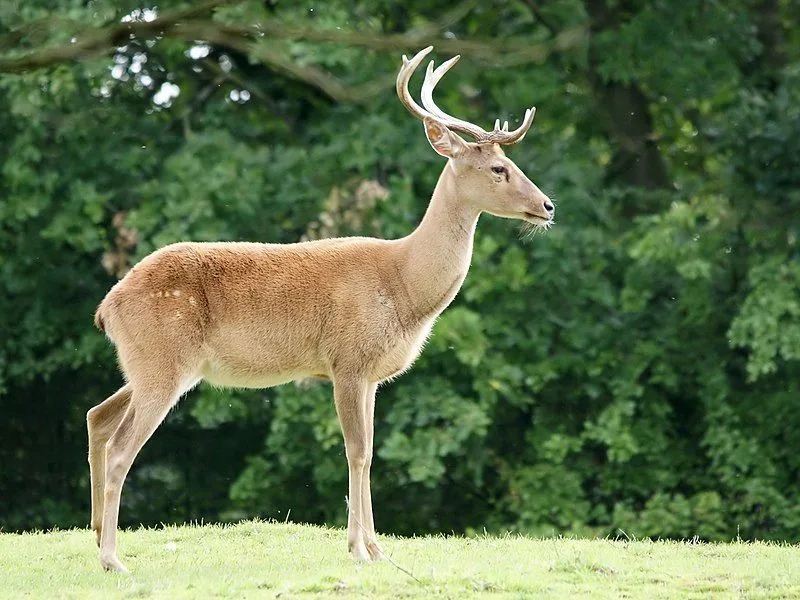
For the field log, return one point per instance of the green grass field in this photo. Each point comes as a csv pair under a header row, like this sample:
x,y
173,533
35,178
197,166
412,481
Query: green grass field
x,y
269,560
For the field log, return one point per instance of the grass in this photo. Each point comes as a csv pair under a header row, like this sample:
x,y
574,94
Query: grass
x,y
269,560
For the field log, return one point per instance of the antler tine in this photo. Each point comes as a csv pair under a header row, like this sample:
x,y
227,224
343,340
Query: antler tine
x,y
512,137
432,77
408,68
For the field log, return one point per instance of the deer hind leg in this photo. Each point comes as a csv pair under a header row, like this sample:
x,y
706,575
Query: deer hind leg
x,y
101,422
349,394
370,537
150,403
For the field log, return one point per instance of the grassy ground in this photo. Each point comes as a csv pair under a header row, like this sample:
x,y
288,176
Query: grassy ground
x,y
269,560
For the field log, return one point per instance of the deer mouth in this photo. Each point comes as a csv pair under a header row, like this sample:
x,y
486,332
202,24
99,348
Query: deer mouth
x,y
536,219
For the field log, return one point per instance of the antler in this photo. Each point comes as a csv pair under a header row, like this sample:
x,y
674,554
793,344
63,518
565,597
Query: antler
x,y
498,135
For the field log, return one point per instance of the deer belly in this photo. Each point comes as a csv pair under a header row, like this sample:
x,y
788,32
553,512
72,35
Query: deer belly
x,y
244,379
403,353
258,372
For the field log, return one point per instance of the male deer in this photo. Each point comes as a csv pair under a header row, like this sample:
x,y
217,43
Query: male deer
x,y
355,310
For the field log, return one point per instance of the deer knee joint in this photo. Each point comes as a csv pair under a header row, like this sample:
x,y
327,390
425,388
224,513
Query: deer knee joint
x,y
359,459
116,466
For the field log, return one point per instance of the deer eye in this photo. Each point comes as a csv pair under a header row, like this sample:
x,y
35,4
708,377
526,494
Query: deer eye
x,y
499,170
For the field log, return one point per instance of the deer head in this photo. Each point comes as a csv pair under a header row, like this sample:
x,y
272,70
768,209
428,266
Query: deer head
x,y
484,176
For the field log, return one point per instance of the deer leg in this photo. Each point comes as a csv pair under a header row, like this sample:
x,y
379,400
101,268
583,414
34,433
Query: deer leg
x,y
370,538
350,397
145,413
101,422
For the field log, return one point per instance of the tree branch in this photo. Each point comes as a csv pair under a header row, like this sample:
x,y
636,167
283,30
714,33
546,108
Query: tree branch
x,y
518,49
236,39
494,51
103,40
250,40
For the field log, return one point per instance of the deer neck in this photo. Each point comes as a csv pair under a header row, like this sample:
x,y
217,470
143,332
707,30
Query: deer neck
x,y
438,252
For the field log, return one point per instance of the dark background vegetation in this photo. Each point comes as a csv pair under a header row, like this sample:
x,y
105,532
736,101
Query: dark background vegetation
x,y
634,369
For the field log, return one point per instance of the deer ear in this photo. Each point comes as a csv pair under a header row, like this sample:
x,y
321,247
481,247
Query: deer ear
x,y
444,141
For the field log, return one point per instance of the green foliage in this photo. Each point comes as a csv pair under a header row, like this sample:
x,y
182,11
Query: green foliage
x,y
635,368
769,320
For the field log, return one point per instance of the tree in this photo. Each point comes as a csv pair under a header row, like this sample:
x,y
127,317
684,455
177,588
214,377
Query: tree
x,y
636,368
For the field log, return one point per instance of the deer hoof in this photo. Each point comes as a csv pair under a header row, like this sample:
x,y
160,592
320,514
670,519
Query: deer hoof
x,y
112,563
359,552
375,553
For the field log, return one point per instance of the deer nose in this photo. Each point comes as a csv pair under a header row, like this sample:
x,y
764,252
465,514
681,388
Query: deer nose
x,y
548,206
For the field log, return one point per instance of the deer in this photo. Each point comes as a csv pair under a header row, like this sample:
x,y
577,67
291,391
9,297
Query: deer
x,y
354,310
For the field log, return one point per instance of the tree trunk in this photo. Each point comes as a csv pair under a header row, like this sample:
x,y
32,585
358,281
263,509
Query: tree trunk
x,y
624,114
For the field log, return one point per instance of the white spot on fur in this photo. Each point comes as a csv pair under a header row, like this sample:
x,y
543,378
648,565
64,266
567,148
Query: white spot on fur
x,y
176,293
192,301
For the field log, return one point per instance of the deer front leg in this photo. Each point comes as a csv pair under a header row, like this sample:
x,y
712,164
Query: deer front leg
x,y
350,396
370,537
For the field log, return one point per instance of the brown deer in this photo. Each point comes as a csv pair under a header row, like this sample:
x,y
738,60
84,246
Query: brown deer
x,y
355,310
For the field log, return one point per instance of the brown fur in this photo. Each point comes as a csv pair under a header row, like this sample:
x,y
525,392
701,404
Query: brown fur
x,y
98,320
355,310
